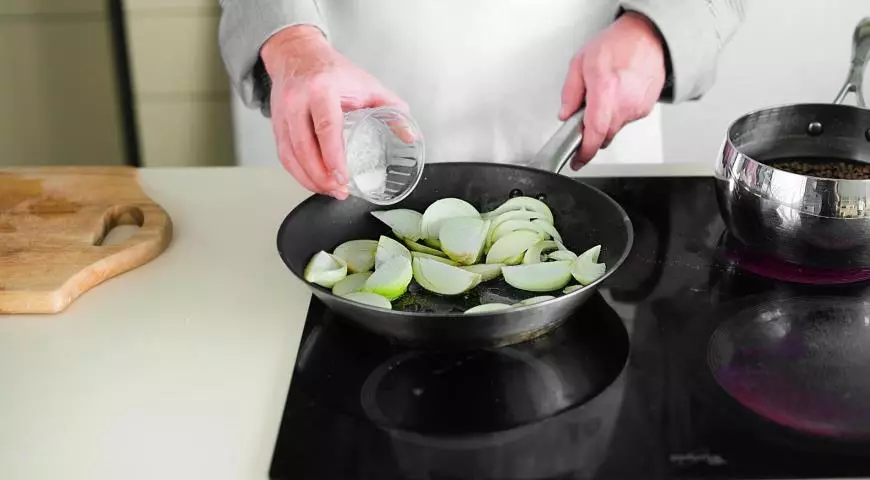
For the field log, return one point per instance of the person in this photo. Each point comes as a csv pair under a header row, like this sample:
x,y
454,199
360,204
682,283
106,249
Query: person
x,y
487,80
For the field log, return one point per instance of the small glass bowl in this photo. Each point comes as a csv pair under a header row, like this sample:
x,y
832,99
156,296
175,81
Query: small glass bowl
x,y
385,154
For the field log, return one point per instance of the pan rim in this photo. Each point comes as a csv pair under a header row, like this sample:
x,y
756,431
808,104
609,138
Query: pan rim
x,y
629,244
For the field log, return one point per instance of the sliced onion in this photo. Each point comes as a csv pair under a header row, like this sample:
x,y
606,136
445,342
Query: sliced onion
x,y
534,300
487,271
523,203
488,307
325,270
535,253
351,283
571,288
538,277
511,226
562,255
432,242
462,238
549,229
443,279
371,299
404,223
391,279
443,260
513,215
388,249
358,254
441,210
585,268
510,248
417,247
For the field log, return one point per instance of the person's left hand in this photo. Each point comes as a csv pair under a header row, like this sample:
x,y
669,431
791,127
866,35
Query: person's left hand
x,y
620,74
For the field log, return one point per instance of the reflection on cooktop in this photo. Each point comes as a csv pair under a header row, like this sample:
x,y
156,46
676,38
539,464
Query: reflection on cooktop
x,y
770,267
801,362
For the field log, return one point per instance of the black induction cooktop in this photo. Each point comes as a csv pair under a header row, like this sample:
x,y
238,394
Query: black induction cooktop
x,y
697,359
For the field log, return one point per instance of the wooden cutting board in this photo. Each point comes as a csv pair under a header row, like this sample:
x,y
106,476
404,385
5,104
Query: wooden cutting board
x,y
53,227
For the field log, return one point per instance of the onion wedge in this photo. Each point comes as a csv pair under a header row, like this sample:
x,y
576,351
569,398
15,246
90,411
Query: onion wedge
x,y
325,270
523,203
441,210
391,279
351,283
443,279
511,226
443,260
487,271
358,254
389,249
418,247
488,307
510,249
562,255
371,299
404,223
535,253
586,268
462,238
538,277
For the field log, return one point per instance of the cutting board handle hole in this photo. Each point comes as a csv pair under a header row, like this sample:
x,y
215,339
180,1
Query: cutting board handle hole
x,y
119,224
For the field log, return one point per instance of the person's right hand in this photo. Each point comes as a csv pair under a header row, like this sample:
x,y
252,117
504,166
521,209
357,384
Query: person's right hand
x,y
312,86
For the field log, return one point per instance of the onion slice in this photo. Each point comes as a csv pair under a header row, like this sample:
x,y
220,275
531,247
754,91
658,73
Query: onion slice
x,y
488,307
487,271
523,203
586,268
538,277
391,279
535,253
440,210
462,238
358,254
509,249
443,260
371,299
325,270
404,223
418,247
389,249
562,255
351,283
443,279
511,226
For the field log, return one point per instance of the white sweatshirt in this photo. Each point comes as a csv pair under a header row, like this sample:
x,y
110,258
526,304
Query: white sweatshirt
x,y
483,78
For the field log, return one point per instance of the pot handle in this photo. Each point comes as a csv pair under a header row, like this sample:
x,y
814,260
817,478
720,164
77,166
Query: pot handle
x,y
561,147
860,56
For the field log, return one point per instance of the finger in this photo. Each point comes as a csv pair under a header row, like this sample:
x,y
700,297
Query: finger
x,y
328,119
306,149
573,90
285,155
596,122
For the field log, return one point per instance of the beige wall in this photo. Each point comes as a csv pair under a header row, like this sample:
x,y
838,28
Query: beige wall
x,y
180,85
58,98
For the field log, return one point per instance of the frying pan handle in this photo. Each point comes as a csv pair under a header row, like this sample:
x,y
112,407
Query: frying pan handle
x,y
561,147
860,56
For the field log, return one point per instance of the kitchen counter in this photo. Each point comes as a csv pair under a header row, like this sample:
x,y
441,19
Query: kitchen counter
x,y
178,369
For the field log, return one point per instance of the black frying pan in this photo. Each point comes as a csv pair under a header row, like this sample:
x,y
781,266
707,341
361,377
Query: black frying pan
x,y
583,215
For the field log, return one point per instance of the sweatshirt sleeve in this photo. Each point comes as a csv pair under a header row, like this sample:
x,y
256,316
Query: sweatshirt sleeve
x,y
695,33
245,25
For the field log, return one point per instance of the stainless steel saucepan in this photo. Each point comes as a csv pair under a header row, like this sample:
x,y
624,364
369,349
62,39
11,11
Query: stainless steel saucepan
x,y
802,219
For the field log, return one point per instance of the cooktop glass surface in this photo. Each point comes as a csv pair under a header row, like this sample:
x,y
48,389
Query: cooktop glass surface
x,y
697,359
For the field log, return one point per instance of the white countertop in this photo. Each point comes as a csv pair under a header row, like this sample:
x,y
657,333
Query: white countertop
x,y
178,369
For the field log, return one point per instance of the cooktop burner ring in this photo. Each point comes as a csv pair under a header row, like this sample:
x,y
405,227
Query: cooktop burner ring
x,y
802,363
